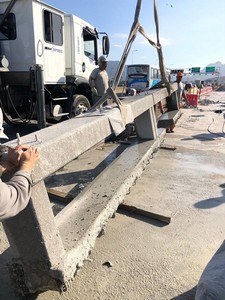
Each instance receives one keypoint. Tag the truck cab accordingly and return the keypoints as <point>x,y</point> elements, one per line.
<point>47,57</point>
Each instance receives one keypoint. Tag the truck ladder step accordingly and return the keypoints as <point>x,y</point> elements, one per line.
<point>62,98</point>
<point>61,115</point>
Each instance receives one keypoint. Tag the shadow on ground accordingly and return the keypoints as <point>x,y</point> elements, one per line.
<point>212,202</point>
<point>206,137</point>
<point>189,295</point>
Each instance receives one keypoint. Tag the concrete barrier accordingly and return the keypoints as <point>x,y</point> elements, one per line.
<point>46,253</point>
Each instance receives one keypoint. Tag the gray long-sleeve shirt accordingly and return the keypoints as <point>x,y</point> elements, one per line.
<point>14,195</point>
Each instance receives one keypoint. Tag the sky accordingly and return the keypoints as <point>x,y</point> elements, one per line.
<point>192,32</point>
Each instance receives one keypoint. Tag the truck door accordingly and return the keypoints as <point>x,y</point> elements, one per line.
<point>54,54</point>
<point>89,55</point>
<point>85,49</point>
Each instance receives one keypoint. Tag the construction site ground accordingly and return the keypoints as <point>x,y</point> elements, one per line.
<point>141,258</point>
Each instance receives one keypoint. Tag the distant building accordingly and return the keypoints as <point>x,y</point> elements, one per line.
<point>193,75</point>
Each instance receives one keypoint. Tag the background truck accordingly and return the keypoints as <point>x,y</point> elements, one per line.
<point>46,58</point>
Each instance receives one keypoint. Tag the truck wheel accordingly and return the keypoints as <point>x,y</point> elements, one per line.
<point>80,105</point>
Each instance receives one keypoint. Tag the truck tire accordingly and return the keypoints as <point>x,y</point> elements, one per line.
<point>80,105</point>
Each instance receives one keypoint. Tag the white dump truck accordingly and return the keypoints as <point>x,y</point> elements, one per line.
<point>46,57</point>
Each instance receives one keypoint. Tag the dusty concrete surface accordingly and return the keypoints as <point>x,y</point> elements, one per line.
<point>151,260</point>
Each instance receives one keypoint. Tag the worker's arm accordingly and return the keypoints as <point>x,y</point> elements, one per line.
<point>92,78</point>
<point>184,95</point>
<point>92,82</point>
<point>15,193</point>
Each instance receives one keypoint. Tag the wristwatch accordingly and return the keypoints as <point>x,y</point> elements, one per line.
<point>3,153</point>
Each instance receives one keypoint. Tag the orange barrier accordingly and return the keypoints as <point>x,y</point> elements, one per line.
<point>192,99</point>
<point>205,90</point>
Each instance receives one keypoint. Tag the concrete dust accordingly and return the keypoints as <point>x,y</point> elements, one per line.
<point>152,260</point>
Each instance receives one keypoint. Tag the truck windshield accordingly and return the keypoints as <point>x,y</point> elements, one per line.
<point>8,28</point>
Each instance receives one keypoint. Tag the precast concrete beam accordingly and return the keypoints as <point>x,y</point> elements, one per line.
<point>41,254</point>
<point>146,125</point>
<point>63,142</point>
<point>36,245</point>
<point>81,221</point>
<point>172,101</point>
<point>141,103</point>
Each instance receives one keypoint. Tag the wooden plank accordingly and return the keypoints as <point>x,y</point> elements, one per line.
<point>167,147</point>
<point>60,196</point>
<point>157,215</point>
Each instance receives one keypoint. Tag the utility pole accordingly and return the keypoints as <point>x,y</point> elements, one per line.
<point>132,55</point>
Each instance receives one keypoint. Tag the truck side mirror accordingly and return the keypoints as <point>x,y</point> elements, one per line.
<point>105,45</point>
